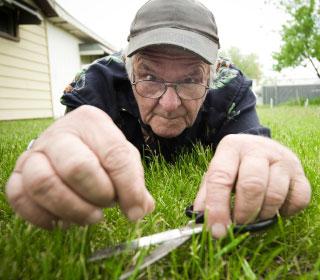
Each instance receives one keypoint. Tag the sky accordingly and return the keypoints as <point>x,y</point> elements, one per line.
<point>251,25</point>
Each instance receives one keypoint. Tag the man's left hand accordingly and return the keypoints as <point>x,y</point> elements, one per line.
<point>266,176</point>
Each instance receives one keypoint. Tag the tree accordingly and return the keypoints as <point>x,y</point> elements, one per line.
<point>300,35</point>
<point>248,64</point>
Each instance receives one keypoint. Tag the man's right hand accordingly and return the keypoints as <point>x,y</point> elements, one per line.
<point>79,165</point>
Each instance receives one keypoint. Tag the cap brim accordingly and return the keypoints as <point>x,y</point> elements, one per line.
<point>194,42</point>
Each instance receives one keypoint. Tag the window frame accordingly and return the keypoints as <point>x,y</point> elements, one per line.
<point>14,12</point>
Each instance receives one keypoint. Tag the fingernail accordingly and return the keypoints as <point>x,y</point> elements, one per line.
<point>96,216</point>
<point>218,230</point>
<point>135,213</point>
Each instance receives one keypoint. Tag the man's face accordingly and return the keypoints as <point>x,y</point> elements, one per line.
<point>169,115</point>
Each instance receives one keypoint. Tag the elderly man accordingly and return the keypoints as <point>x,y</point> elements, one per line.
<point>161,97</point>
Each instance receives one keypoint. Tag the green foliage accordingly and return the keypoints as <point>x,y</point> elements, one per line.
<point>247,63</point>
<point>289,250</point>
<point>300,35</point>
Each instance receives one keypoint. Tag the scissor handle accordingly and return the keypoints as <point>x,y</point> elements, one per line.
<point>260,225</point>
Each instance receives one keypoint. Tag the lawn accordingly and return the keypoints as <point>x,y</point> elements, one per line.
<point>289,250</point>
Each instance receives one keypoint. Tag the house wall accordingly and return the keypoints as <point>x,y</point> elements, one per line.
<point>25,90</point>
<point>64,59</point>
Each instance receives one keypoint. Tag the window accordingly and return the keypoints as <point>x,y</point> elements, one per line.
<point>9,23</point>
<point>13,13</point>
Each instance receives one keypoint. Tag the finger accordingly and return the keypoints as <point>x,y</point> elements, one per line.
<point>24,206</point>
<point>124,165</point>
<point>220,179</point>
<point>250,188</point>
<point>120,159</point>
<point>199,203</point>
<point>80,169</point>
<point>48,191</point>
<point>20,162</point>
<point>299,195</point>
<point>277,190</point>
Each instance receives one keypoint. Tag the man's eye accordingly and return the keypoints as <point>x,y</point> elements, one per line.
<point>192,80</point>
<point>150,77</point>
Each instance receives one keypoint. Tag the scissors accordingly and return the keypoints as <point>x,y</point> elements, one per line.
<point>170,240</point>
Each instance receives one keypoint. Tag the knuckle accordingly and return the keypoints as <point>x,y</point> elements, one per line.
<point>88,113</point>
<point>229,139</point>
<point>252,186</point>
<point>79,167</point>
<point>291,160</point>
<point>117,157</point>
<point>294,163</point>
<point>41,184</point>
<point>219,177</point>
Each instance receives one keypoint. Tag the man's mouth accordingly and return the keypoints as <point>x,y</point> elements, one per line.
<point>170,116</point>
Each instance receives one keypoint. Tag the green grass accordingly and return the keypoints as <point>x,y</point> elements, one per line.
<point>301,102</point>
<point>290,250</point>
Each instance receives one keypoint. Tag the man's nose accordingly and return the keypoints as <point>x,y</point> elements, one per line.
<point>170,100</point>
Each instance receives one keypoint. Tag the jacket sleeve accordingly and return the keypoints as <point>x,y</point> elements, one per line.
<point>241,115</point>
<point>93,86</point>
<point>231,105</point>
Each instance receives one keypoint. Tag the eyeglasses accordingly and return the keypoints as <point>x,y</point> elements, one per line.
<point>155,89</point>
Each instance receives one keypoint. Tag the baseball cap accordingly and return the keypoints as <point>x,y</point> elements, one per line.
<point>183,23</point>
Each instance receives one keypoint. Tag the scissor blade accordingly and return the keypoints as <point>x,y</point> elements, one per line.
<point>112,251</point>
<point>147,241</point>
<point>156,255</point>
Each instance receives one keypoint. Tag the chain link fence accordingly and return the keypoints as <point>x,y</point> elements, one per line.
<point>281,94</point>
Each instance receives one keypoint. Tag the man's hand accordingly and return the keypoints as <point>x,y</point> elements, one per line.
<point>267,178</point>
<point>79,165</point>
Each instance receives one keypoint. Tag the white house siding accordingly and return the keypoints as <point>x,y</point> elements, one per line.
<point>64,63</point>
<point>24,75</point>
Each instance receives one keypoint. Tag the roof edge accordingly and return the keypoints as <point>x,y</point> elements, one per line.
<point>52,9</point>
